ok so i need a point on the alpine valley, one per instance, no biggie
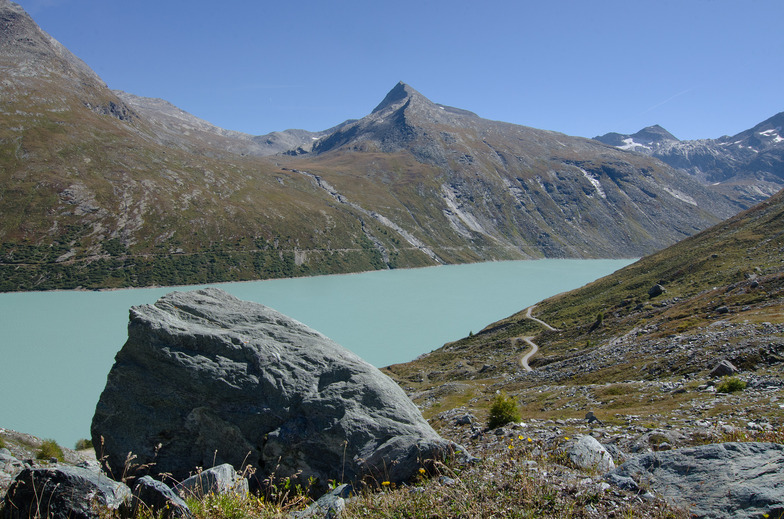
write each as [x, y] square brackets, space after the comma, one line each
[101, 188]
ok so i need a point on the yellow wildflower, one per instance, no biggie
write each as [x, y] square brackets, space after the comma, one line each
[421, 471]
[385, 483]
[520, 437]
[529, 439]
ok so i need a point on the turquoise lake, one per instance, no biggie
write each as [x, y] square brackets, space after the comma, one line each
[56, 348]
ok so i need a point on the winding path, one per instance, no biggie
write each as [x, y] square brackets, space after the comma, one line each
[527, 339]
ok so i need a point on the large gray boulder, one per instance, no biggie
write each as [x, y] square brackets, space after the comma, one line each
[722, 480]
[206, 379]
[64, 492]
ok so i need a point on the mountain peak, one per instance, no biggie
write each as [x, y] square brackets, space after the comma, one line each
[653, 134]
[397, 95]
[648, 137]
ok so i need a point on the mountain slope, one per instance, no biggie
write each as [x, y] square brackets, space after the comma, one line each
[523, 188]
[747, 167]
[723, 298]
[102, 189]
[90, 196]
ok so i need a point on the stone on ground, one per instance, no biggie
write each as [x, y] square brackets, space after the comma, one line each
[216, 480]
[155, 497]
[205, 379]
[64, 492]
[589, 454]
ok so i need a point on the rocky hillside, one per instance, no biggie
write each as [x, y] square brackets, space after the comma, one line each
[748, 167]
[643, 341]
[682, 348]
[505, 187]
[104, 189]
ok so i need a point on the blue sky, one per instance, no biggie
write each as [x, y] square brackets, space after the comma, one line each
[700, 68]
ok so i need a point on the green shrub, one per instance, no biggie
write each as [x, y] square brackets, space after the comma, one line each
[83, 444]
[50, 449]
[503, 411]
[2, 443]
[730, 385]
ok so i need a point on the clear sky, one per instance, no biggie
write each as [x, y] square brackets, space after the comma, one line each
[699, 68]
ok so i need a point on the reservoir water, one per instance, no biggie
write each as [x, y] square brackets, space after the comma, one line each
[56, 348]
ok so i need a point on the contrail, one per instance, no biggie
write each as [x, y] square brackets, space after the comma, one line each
[657, 105]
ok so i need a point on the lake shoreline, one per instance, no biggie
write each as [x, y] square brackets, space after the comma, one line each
[386, 317]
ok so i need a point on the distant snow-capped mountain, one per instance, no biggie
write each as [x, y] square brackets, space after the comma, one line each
[748, 167]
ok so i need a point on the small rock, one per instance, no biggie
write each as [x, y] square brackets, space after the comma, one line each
[728, 429]
[656, 290]
[723, 369]
[156, 497]
[216, 480]
[328, 506]
[466, 419]
[590, 418]
[622, 482]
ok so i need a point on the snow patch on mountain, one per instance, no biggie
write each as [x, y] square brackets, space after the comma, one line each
[630, 144]
[774, 134]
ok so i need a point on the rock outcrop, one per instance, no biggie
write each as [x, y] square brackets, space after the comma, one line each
[206, 379]
[721, 480]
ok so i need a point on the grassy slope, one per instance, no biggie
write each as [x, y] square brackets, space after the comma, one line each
[731, 274]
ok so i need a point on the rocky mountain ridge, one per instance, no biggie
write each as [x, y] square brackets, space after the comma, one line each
[748, 166]
[499, 180]
[177, 128]
[105, 189]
